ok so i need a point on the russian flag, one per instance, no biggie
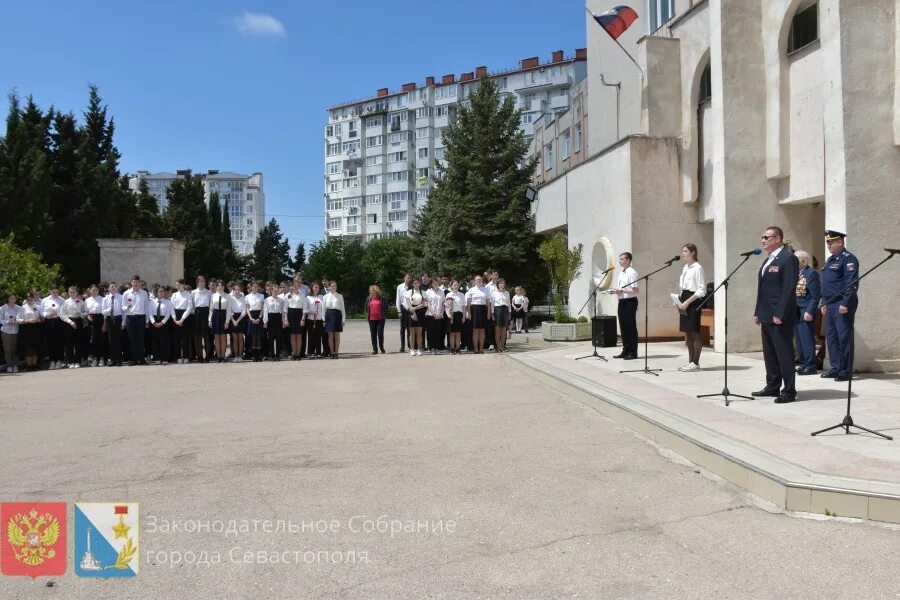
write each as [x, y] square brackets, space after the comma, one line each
[616, 20]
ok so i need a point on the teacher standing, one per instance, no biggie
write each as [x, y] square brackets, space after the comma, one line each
[693, 288]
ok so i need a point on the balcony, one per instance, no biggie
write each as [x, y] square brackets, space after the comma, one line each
[559, 102]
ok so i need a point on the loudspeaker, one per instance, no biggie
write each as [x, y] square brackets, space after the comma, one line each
[603, 331]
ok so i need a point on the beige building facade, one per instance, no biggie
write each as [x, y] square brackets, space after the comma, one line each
[739, 115]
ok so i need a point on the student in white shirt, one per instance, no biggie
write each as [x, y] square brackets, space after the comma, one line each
[113, 324]
[416, 304]
[200, 298]
[455, 304]
[72, 314]
[29, 322]
[238, 327]
[54, 328]
[255, 329]
[404, 287]
[434, 317]
[136, 307]
[274, 320]
[219, 319]
[296, 308]
[182, 321]
[161, 317]
[335, 317]
[693, 288]
[478, 311]
[500, 303]
[315, 319]
[519, 309]
[93, 307]
[626, 290]
[9, 332]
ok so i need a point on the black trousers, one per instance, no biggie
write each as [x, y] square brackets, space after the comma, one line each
[314, 330]
[136, 326]
[73, 338]
[435, 329]
[114, 338]
[628, 325]
[161, 341]
[97, 343]
[376, 330]
[181, 335]
[404, 328]
[778, 352]
[56, 341]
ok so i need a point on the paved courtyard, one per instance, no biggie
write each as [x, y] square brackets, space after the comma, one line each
[511, 490]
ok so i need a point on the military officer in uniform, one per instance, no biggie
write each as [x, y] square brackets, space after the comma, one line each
[839, 304]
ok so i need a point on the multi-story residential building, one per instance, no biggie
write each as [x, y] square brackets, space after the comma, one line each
[734, 116]
[242, 194]
[560, 138]
[380, 152]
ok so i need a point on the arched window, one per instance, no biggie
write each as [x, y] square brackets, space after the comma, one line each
[804, 28]
[705, 92]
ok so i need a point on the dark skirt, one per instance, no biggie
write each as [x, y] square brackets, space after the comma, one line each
[295, 315]
[219, 326]
[201, 322]
[30, 337]
[420, 317]
[255, 330]
[456, 322]
[334, 320]
[689, 323]
[240, 328]
[275, 324]
[479, 316]
[501, 316]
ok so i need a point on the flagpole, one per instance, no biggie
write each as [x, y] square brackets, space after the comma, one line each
[617, 43]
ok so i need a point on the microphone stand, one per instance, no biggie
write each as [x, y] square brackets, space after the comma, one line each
[725, 392]
[646, 278]
[594, 295]
[847, 423]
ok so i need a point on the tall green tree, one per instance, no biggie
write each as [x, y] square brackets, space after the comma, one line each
[225, 231]
[299, 260]
[22, 269]
[146, 222]
[344, 262]
[387, 259]
[187, 219]
[477, 216]
[215, 212]
[271, 254]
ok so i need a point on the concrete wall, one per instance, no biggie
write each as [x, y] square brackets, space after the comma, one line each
[156, 260]
[807, 134]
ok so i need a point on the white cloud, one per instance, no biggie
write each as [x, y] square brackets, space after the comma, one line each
[259, 24]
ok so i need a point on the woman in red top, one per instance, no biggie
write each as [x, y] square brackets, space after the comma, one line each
[376, 312]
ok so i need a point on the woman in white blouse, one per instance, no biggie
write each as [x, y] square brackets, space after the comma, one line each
[455, 303]
[693, 288]
[314, 318]
[500, 303]
[238, 325]
[219, 319]
[335, 317]
[29, 321]
[9, 326]
[417, 304]
[478, 310]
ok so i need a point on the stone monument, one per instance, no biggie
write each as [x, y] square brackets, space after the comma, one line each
[159, 260]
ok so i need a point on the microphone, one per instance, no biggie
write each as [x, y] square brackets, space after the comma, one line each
[892, 250]
[756, 251]
[671, 260]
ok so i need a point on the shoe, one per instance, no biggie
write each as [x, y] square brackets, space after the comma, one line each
[74, 366]
[382, 350]
[842, 378]
[690, 367]
[630, 357]
[101, 363]
[684, 367]
[766, 393]
[402, 349]
[785, 398]
[9, 370]
[829, 375]
[807, 371]
[620, 355]
[374, 352]
[419, 352]
[15, 369]
[412, 352]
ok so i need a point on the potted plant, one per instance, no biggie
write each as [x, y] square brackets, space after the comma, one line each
[564, 265]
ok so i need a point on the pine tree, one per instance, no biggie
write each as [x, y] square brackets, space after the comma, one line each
[225, 232]
[477, 216]
[215, 212]
[299, 258]
[187, 220]
[147, 222]
[271, 254]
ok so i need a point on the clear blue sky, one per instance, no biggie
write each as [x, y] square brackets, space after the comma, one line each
[200, 85]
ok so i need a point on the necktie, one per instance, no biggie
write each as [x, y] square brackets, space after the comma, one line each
[158, 308]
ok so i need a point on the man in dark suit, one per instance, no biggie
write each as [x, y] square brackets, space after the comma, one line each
[776, 313]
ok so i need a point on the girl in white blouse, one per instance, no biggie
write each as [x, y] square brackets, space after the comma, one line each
[693, 288]
[219, 318]
[295, 303]
[29, 321]
[93, 306]
[335, 317]
[456, 304]
[72, 314]
[255, 330]
[500, 303]
[200, 297]
[9, 327]
[274, 320]
[315, 319]
[238, 326]
[416, 303]
[478, 310]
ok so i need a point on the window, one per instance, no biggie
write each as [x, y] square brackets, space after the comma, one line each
[329, 131]
[336, 204]
[528, 100]
[351, 126]
[351, 202]
[372, 218]
[375, 140]
[334, 186]
[400, 136]
[422, 132]
[548, 156]
[396, 157]
[564, 145]
[351, 183]
[351, 146]
[334, 149]
[249, 222]
[578, 137]
[396, 216]
[395, 176]
[527, 118]
[395, 198]
[445, 111]
[373, 161]
[439, 153]
[373, 199]
[373, 179]
[399, 116]
[445, 91]
[373, 122]
[705, 92]
[334, 167]
[804, 28]
[503, 83]
[422, 194]
[337, 129]
[423, 152]
[352, 221]
[423, 112]
[334, 222]
[422, 173]
[660, 12]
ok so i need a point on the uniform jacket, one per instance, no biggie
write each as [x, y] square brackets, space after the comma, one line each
[810, 302]
[776, 294]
